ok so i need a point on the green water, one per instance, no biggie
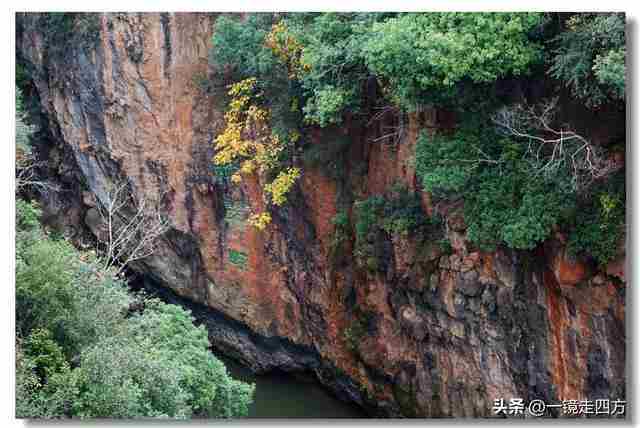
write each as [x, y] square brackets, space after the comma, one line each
[288, 396]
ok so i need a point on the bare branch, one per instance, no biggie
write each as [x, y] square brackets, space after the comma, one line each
[391, 123]
[26, 168]
[130, 229]
[551, 148]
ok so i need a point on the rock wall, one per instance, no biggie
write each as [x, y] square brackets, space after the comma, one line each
[440, 333]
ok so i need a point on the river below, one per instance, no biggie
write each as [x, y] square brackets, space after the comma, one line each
[277, 395]
[285, 395]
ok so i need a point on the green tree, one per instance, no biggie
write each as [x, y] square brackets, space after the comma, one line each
[87, 348]
[330, 59]
[47, 356]
[505, 200]
[419, 55]
[589, 57]
[599, 226]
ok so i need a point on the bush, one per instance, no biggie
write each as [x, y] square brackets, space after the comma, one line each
[64, 28]
[157, 365]
[600, 222]
[504, 199]
[45, 354]
[30, 401]
[329, 156]
[397, 213]
[27, 216]
[238, 46]
[589, 57]
[419, 55]
[610, 70]
[332, 59]
[87, 348]
[44, 285]
[238, 258]
[334, 68]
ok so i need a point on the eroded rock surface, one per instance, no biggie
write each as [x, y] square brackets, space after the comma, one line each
[436, 334]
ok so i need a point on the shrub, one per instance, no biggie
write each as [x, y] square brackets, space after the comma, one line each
[600, 222]
[330, 59]
[507, 200]
[329, 156]
[129, 356]
[417, 55]
[27, 216]
[44, 285]
[64, 28]
[504, 200]
[238, 46]
[238, 258]
[45, 354]
[609, 69]
[397, 213]
[341, 236]
[27, 387]
[334, 68]
[589, 57]
[156, 365]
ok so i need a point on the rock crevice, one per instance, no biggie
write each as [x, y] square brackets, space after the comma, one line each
[434, 333]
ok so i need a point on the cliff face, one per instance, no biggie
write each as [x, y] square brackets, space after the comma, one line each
[433, 334]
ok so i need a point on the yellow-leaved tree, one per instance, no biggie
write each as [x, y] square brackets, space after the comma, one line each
[247, 140]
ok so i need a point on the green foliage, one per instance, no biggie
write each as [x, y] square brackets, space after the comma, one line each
[63, 28]
[418, 55]
[24, 131]
[238, 258]
[223, 173]
[505, 200]
[22, 80]
[45, 353]
[512, 207]
[157, 364]
[27, 386]
[397, 213]
[600, 222]
[367, 213]
[238, 46]
[335, 68]
[90, 349]
[610, 70]
[341, 236]
[341, 222]
[327, 105]
[329, 156]
[402, 212]
[44, 283]
[357, 329]
[589, 57]
[27, 216]
[239, 52]
[335, 56]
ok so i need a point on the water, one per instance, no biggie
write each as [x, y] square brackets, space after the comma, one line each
[283, 395]
[277, 395]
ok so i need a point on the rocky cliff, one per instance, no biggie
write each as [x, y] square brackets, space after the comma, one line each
[434, 332]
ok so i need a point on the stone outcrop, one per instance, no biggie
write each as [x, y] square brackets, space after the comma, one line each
[439, 333]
